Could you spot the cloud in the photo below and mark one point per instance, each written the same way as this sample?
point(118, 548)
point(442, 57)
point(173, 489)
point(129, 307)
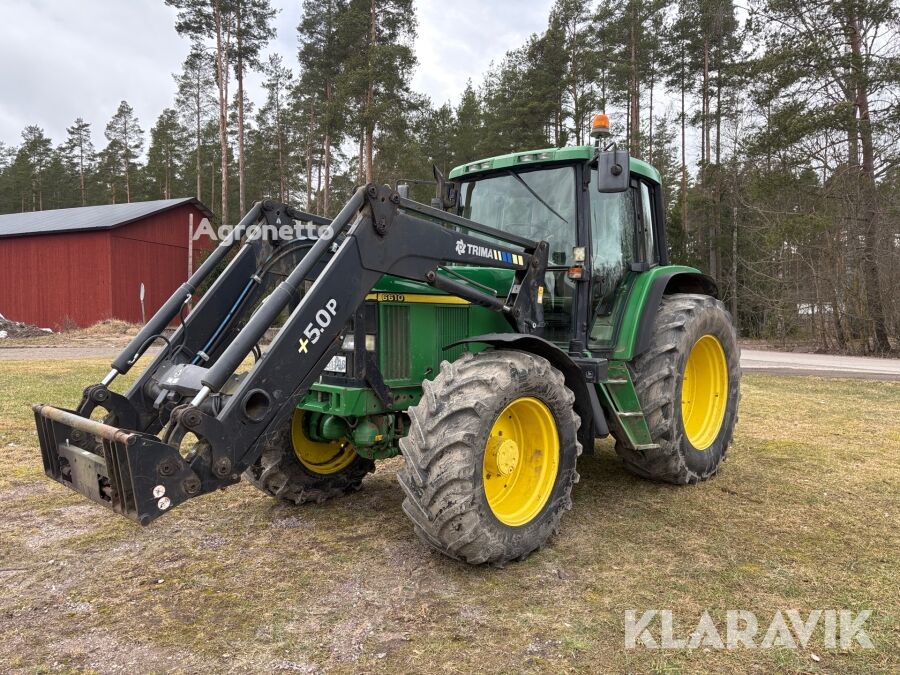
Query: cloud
point(59, 61)
point(62, 60)
point(458, 40)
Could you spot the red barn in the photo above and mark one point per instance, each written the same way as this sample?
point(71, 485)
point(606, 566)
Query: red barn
point(79, 266)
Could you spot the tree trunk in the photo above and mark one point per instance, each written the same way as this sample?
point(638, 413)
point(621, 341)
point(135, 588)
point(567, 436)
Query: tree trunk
point(734, 263)
point(650, 157)
point(281, 181)
point(309, 145)
point(370, 95)
point(634, 103)
point(718, 116)
point(221, 81)
point(361, 170)
point(81, 171)
point(706, 152)
point(319, 183)
point(684, 222)
point(199, 141)
point(239, 72)
point(870, 206)
point(327, 196)
point(127, 176)
point(573, 69)
point(839, 336)
point(717, 201)
point(326, 150)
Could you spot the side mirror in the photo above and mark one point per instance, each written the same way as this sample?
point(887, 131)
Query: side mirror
point(445, 191)
point(613, 170)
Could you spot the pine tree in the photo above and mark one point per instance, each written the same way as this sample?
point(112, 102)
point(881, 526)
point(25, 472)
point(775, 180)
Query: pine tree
point(166, 154)
point(676, 71)
point(214, 21)
point(34, 157)
point(630, 47)
point(468, 127)
point(580, 63)
point(79, 151)
point(196, 102)
point(273, 123)
point(109, 171)
point(376, 74)
point(323, 48)
point(252, 30)
point(125, 134)
point(843, 101)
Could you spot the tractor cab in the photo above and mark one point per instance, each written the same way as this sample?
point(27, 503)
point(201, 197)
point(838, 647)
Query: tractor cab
point(603, 226)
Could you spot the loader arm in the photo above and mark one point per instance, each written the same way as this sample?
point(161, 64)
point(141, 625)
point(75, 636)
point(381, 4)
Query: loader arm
point(142, 475)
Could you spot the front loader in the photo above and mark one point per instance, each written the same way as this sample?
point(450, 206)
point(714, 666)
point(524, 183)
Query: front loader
point(487, 338)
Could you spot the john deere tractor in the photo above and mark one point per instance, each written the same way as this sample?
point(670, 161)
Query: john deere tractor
point(488, 337)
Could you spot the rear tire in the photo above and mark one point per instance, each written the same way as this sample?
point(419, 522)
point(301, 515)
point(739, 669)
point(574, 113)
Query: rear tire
point(490, 456)
point(685, 322)
point(280, 474)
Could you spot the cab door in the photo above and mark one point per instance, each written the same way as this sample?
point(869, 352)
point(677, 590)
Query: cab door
point(623, 244)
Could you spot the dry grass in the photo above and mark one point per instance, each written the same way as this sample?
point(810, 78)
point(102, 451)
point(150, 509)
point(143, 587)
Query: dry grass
point(804, 515)
point(109, 332)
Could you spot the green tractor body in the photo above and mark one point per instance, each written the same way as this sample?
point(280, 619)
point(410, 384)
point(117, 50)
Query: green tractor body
point(413, 327)
point(488, 338)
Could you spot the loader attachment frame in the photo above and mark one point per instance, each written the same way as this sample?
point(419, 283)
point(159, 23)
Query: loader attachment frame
point(142, 473)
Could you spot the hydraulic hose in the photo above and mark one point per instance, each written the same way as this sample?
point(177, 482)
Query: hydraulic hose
point(172, 306)
point(274, 304)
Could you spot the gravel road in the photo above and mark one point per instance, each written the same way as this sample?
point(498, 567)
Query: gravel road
point(781, 363)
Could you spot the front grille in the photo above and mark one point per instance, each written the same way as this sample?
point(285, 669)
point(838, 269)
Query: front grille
point(451, 324)
point(393, 336)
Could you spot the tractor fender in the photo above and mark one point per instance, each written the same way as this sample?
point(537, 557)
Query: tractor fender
point(665, 284)
point(587, 404)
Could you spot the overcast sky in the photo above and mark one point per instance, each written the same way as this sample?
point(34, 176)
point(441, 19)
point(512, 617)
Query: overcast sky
point(62, 59)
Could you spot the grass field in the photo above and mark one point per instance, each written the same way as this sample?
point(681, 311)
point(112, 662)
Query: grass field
point(804, 515)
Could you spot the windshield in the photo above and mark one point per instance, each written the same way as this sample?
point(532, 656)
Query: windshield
point(538, 205)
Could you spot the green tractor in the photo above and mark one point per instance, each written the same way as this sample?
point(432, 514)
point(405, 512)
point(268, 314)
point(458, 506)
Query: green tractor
point(488, 338)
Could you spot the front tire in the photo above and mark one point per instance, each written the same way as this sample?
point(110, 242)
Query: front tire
point(295, 469)
point(490, 456)
point(688, 383)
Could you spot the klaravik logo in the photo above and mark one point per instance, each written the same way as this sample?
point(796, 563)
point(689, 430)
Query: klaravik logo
point(743, 629)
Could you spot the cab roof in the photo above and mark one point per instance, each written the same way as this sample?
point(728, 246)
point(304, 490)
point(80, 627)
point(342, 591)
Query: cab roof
point(540, 157)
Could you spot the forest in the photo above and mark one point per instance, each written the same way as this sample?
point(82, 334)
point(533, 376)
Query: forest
point(775, 125)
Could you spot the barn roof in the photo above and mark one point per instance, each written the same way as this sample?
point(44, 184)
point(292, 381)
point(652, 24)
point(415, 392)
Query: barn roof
point(104, 217)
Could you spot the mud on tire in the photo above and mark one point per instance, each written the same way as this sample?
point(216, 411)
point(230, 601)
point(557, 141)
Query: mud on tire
point(657, 374)
point(279, 473)
point(444, 453)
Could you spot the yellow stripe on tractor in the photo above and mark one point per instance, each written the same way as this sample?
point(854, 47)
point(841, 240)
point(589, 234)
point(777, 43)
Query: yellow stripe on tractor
point(418, 298)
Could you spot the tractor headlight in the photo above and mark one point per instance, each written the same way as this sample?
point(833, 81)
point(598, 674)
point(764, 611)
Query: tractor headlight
point(349, 343)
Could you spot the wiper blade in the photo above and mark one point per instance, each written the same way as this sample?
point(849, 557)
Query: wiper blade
point(536, 195)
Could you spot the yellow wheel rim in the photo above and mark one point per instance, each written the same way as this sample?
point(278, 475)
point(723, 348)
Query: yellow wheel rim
point(521, 459)
point(704, 392)
point(322, 458)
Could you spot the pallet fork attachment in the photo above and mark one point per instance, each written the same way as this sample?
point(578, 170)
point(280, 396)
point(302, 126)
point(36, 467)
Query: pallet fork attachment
point(133, 462)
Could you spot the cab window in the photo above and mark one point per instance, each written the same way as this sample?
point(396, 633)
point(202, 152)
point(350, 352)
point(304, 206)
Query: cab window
point(612, 245)
point(646, 216)
point(538, 205)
